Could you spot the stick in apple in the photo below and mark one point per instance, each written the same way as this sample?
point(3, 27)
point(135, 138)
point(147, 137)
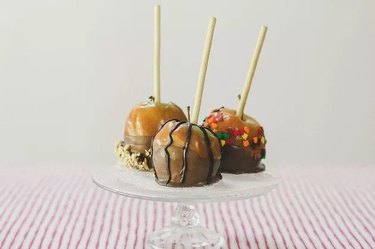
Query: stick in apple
point(251, 72)
point(157, 54)
point(203, 70)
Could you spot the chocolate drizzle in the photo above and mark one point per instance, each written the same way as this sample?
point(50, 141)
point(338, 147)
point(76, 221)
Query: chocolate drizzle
point(185, 151)
point(151, 161)
point(167, 152)
point(152, 147)
point(185, 157)
point(210, 153)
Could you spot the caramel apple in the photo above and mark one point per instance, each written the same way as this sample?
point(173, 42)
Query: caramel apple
point(143, 122)
point(185, 155)
point(241, 136)
point(145, 119)
point(243, 141)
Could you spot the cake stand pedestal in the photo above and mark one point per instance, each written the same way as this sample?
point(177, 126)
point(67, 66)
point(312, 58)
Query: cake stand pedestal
point(185, 230)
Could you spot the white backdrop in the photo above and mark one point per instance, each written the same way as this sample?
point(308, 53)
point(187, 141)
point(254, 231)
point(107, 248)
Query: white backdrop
point(71, 70)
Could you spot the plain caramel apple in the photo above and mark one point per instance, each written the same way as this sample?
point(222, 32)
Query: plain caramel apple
point(142, 123)
point(146, 118)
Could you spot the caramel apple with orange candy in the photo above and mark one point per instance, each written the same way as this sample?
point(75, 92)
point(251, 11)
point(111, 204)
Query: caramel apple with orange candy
point(242, 139)
point(241, 136)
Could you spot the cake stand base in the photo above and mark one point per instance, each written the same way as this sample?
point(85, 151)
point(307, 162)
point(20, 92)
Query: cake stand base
point(185, 231)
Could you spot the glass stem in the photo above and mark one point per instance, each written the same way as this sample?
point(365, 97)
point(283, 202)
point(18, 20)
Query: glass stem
point(185, 215)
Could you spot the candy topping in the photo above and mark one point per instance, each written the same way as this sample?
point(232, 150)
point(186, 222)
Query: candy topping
point(222, 142)
point(232, 136)
point(263, 140)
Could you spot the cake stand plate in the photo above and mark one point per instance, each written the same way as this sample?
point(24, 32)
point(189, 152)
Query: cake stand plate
point(185, 230)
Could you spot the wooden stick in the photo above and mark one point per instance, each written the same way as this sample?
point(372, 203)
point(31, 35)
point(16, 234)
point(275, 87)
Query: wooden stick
point(188, 113)
point(203, 70)
point(251, 72)
point(157, 53)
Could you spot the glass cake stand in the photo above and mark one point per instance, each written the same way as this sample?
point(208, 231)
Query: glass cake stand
point(185, 230)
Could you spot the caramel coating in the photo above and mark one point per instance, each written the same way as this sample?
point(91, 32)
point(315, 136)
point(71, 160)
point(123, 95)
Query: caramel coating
point(146, 118)
point(197, 143)
point(185, 155)
point(143, 122)
point(241, 153)
point(230, 120)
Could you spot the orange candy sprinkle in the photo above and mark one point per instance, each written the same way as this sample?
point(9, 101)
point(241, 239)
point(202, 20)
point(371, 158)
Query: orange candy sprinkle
point(246, 129)
point(214, 125)
point(255, 140)
point(263, 140)
point(222, 142)
point(245, 143)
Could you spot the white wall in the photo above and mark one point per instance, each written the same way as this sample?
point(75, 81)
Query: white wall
point(71, 70)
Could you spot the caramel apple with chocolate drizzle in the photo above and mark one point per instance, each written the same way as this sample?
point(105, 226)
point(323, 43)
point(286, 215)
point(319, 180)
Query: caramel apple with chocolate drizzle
point(185, 154)
point(145, 119)
point(242, 137)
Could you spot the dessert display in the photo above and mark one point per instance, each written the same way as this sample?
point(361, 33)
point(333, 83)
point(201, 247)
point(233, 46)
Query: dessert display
point(185, 154)
point(188, 160)
point(241, 136)
point(145, 119)
point(159, 137)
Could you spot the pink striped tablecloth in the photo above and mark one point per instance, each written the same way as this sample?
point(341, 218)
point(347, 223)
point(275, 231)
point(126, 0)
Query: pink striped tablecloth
point(319, 207)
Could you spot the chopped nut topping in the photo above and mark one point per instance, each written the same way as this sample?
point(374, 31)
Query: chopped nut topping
point(133, 159)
